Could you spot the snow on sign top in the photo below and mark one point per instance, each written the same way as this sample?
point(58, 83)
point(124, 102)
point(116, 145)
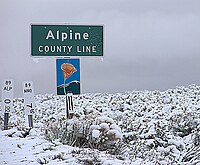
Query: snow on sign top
point(66, 40)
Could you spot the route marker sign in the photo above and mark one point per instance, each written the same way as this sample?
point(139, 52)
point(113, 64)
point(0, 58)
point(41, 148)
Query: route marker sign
point(29, 103)
point(7, 100)
point(66, 40)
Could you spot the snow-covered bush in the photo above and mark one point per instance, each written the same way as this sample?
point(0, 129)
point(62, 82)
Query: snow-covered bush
point(183, 123)
point(93, 130)
point(196, 138)
point(53, 128)
point(104, 133)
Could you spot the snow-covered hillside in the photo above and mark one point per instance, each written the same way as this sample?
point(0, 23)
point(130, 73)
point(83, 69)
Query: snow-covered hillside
point(138, 127)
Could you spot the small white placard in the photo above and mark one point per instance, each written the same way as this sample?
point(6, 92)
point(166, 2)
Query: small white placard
point(29, 103)
point(7, 96)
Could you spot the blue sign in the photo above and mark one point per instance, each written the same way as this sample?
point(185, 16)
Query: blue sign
point(68, 76)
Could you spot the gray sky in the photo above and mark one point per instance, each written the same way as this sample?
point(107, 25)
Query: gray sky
point(149, 44)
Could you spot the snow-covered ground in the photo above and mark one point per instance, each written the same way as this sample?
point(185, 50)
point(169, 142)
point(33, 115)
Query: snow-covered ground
point(138, 127)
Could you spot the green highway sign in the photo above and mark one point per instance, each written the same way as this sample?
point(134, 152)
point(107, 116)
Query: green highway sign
point(66, 40)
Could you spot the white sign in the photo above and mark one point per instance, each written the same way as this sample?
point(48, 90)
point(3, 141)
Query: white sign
point(29, 102)
point(7, 96)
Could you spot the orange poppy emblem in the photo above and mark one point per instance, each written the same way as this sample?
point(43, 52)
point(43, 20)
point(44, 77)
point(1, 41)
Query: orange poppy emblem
point(68, 70)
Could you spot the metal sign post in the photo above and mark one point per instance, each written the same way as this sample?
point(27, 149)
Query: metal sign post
point(29, 103)
point(69, 104)
point(7, 100)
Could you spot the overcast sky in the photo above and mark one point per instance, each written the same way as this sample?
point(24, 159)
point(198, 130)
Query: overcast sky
point(149, 44)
